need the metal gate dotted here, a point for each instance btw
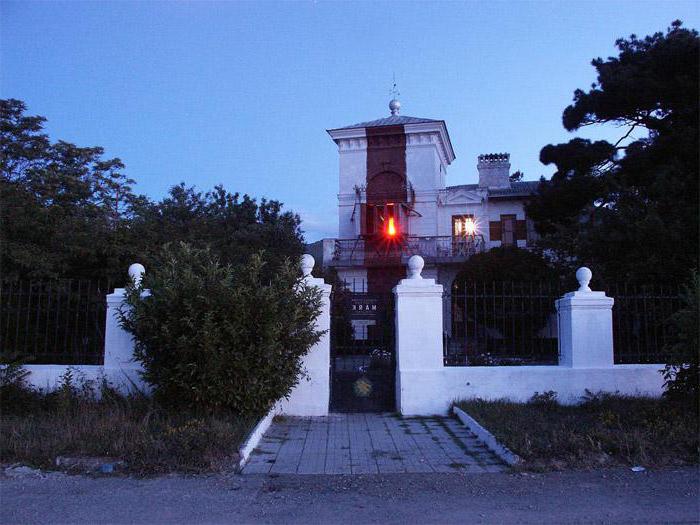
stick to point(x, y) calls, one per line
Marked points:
point(363, 360)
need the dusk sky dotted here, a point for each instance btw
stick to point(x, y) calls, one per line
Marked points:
point(242, 93)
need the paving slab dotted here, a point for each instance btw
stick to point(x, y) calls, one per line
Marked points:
point(370, 443)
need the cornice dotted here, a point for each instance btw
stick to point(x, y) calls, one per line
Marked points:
point(447, 153)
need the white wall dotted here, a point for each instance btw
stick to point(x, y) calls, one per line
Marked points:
point(311, 396)
point(432, 392)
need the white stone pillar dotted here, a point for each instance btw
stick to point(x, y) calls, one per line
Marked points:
point(585, 326)
point(419, 353)
point(311, 396)
point(119, 365)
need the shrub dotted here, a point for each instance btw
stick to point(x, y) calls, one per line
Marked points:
point(211, 336)
point(16, 393)
point(682, 373)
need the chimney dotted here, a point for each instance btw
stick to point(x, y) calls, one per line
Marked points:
point(494, 170)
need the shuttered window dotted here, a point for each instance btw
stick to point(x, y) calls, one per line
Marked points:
point(495, 230)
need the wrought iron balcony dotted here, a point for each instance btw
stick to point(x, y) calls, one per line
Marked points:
point(375, 251)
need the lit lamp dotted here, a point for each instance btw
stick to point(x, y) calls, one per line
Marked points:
point(391, 228)
point(470, 227)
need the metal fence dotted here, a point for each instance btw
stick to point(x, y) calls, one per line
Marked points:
point(53, 322)
point(641, 329)
point(515, 323)
point(502, 323)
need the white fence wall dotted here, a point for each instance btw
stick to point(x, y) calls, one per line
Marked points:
point(586, 348)
point(423, 385)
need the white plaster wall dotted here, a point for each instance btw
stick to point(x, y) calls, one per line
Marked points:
point(348, 225)
point(423, 164)
point(353, 167)
point(427, 392)
point(48, 377)
point(352, 172)
point(426, 224)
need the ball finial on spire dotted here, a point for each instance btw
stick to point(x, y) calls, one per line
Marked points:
point(394, 106)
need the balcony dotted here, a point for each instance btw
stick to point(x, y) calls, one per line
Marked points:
point(376, 252)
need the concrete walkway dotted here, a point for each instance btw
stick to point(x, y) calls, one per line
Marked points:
point(369, 444)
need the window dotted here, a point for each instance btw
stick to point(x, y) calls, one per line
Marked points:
point(463, 226)
point(383, 219)
point(507, 230)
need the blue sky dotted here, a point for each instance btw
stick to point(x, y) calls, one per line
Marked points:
point(241, 93)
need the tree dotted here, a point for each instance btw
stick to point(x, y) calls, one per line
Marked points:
point(68, 212)
point(629, 209)
point(506, 264)
point(61, 203)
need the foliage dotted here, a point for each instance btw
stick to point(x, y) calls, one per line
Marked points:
point(90, 418)
point(69, 212)
point(488, 282)
point(516, 176)
point(682, 373)
point(629, 209)
point(61, 203)
point(507, 263)
point(604, 430)
point(216, 337)
point(14, 389)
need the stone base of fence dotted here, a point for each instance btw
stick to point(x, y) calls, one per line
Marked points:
point(433, 391)
point(48, 377)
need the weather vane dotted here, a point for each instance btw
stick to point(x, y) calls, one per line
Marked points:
point(394, 90)
point(394, 104)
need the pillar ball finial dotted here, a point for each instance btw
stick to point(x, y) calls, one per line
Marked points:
point(583, 276)
point(136, 272)
point(307, 264)
point(415, 267)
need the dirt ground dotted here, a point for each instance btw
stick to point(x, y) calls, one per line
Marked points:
point(606, 496)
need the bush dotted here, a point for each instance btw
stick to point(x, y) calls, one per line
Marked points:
point(215, 337)
point(682, 373)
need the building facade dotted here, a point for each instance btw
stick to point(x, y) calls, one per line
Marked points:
point(394, 201)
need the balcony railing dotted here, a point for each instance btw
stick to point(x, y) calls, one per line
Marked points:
point(431, 248)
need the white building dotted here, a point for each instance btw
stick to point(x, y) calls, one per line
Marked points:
point(394, 202)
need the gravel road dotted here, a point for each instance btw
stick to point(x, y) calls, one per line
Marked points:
point(606, 496)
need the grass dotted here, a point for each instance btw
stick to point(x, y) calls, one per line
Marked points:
point(36, 428)
point(602, 431)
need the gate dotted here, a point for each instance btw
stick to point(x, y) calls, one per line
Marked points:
point(363, 360)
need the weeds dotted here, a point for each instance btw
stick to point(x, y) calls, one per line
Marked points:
point(89, 418)
point(604, 430)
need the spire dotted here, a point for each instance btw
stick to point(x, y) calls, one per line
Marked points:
point(394, 103)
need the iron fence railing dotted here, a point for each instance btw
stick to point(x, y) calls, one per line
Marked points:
point(515, 323)
point(641, 328)
point(502, 323)
point(53, 322)
point(431, 248)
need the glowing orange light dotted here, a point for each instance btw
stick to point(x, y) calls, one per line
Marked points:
point(391, 229)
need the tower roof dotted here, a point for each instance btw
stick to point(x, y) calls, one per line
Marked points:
point(393, 120)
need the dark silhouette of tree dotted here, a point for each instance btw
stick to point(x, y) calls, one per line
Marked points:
point(629, 209)
point(65, 211)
